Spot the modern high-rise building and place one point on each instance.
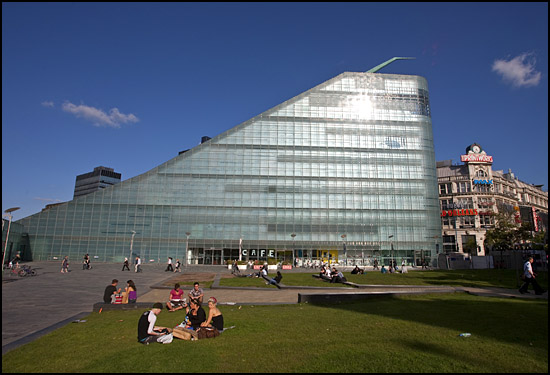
(342, 172)
(99, 178)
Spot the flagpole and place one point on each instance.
(240, 249)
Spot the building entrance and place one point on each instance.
(213, 256)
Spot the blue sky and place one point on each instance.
(129, 85)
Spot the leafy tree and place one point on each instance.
(471, 246)
(506, 231)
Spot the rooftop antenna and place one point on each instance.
(377, 68)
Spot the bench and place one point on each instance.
(122, 306)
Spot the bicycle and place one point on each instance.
(26, 271)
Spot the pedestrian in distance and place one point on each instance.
(65, 265)
(86, 263)
(529, 278)
(138, 264)
(178, 266)
(169, 267)
(126, 264)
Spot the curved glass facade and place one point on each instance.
(331, 173)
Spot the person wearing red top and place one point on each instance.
(177, 302)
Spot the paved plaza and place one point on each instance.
(34, 306)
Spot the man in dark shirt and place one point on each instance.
(110, 290)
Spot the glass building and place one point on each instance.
(342, 172)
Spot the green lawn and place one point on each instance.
(415, 333)
(465, 278)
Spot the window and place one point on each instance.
(445, 189)
(481, 173)
(464, 187)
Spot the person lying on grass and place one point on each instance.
(275, 280)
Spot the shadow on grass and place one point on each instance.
(505, 320)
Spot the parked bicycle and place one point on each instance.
(26, 271)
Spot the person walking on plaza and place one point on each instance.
(126, 264)
(529, 277)
(178, 266)
(86, 262)
(65, 264)
(138, 264)
(169, 267)
(375, 264)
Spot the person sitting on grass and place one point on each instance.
(324, 273)
(383, 269)
(215, 317)
(196, 315)
(176, 302)
(147, 332)
(357, 271)
(196, 293)
(337, 276)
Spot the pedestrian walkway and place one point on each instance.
(33, 306)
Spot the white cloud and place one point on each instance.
(55, 200)
(519, 71)
(98, 117)
(47, 104)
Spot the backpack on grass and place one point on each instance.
(207, 332)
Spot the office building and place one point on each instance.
(472, 193)
(99, 178)
(343, 172)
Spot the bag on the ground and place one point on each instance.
(182, 333)
(117, 300)
(166, 339)
(207, 332)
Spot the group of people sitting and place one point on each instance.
(116, 296)
(333, 275)
(263, 273)
(195, 316)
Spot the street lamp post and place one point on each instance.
(293, 235)
(8, 213)
(391, 246)
(186, 247)
(345, 256)
(132, 245)
(456, 206)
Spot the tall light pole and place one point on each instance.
(391, 245)
(344, 241)
(186, 247)
(293, 235)
(456, 206)
(132, 245)
(8, 213)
